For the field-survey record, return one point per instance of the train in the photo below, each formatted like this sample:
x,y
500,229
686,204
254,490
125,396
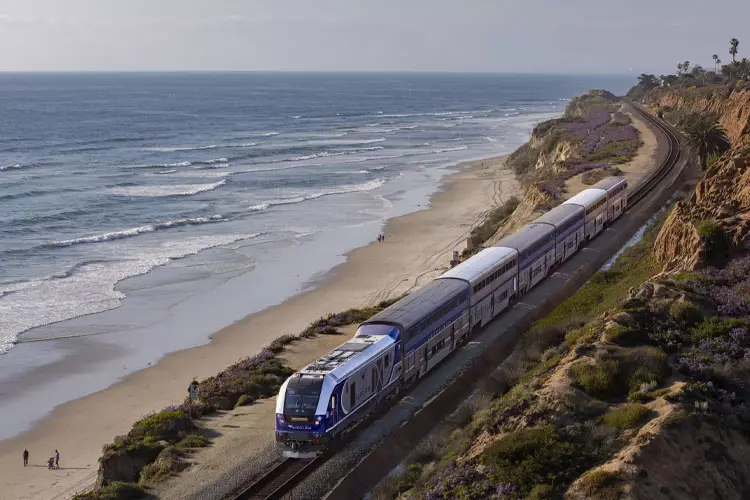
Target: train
x,y
402,343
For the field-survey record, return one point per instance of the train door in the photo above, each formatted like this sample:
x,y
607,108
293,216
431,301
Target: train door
x,y
423,360
453,336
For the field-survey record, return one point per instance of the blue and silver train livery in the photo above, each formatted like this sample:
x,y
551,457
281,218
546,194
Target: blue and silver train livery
x,y
393,348
405,341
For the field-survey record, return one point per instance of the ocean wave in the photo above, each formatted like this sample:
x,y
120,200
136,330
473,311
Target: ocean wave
x,y
448,150
352,188
89,287
165,172
345,142
325,154
10,167
165,190
212,162
135,231
165,165
269,134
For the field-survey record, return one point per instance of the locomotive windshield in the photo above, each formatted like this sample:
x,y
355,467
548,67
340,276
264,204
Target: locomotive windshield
x,y
302,396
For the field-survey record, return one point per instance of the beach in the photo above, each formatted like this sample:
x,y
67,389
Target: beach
x,y
417,248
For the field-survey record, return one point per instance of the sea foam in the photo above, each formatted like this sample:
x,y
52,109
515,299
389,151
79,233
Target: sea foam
x,y
165,190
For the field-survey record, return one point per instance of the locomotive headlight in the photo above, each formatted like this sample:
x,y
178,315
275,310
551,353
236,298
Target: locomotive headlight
x,y
281,420
317,420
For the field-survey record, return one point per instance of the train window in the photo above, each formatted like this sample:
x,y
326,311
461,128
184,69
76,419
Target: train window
x,y
387,359
352,395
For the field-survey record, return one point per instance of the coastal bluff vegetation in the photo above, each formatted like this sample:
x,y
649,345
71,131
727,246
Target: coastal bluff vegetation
x,y
635,387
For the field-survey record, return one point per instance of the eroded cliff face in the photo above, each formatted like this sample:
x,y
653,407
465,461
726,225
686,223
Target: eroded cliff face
x,y
732,111
718,210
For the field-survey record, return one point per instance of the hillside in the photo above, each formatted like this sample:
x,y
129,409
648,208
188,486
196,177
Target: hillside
x,y
623,391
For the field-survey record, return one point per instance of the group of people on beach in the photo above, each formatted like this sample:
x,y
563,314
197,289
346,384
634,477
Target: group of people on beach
x,y
381,237
52,462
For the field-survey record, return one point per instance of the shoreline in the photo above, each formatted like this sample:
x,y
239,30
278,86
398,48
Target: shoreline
x,y
417,246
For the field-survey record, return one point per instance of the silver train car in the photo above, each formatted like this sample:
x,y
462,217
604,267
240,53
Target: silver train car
x,y
492,276
405,341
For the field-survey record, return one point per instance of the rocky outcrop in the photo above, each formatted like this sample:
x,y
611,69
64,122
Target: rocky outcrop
x,y
719,208
126,465
732,109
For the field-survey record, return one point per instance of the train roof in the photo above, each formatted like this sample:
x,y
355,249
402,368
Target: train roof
x,y
473,268
609,182
415,306
348,357
586,197
560,214
526,236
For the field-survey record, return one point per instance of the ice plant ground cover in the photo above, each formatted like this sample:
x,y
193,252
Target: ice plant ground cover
x,y
602,135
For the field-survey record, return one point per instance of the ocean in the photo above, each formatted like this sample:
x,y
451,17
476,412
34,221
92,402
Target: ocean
x,y
114,186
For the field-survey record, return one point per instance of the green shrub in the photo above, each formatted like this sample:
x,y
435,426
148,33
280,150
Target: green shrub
x,y
713,236
532,457
245,400
624,335
711,328
626,416
599,379
686,313
194,441
493,222
616,374
542,492
114,491
162,426
599,483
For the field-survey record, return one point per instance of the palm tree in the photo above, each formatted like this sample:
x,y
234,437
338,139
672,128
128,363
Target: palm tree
x,y
715,57
704,133
679,69
733,44
686,66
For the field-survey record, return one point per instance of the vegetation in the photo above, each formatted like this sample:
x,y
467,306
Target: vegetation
x,y
626,416
491,224
114,491
704,133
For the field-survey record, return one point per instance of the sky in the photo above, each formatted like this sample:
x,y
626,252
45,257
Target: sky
x,y
537,36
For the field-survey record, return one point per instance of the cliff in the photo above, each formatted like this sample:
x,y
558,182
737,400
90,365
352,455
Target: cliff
x,y
715,222
593,136
732,108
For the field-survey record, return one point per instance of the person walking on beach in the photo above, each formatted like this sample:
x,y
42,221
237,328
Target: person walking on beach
x,y
25,457
57,459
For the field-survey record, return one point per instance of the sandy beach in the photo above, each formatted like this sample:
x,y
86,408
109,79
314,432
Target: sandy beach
x,y
417,247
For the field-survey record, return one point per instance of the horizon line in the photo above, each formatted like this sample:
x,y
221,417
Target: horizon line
x,y
302,71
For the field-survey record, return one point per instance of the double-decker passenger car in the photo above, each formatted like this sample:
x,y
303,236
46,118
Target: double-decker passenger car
x,y
492,278
406,340
568,221
617,195
594,202
535,244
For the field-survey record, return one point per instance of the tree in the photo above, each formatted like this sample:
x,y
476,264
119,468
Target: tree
x,y
704,133
715,57
648,81
686,66
679,69
733,44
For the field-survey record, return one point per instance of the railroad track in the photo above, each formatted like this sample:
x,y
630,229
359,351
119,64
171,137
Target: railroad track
x,y
290,472
280,480
658,175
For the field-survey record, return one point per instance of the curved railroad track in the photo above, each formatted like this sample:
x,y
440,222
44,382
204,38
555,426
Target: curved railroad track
x,y
288,473
658,175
